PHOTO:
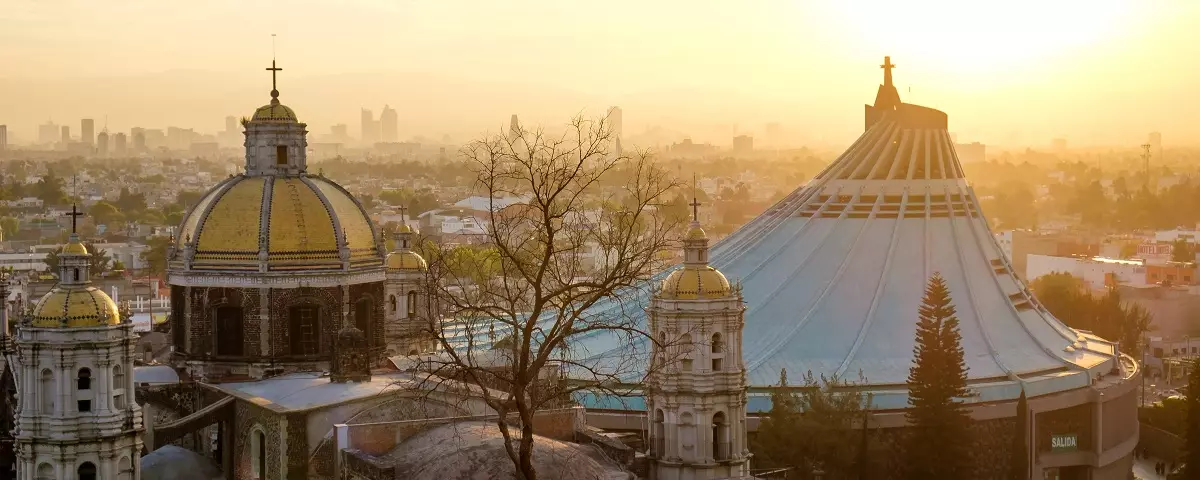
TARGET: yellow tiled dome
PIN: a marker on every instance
(300, 221)
(74, 248)
(695, 233)
(75, 306)
(274, 112)
(405, 260)
(695, 282)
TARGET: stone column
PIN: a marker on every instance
(186, 322)
(264, 323)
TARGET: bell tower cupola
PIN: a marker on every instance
(276, 142)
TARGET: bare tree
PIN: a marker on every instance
(585, 234)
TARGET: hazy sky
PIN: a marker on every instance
(1014, 72)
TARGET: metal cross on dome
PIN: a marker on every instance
(887, 70)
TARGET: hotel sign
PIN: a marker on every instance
(1064, 443)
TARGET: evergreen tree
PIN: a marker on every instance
(1191, 433)
(1020, 449)
(775, 443)
(939, 438)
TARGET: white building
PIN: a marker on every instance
(1095, 271)
(404, 312)
(697, 403)
(77, 418)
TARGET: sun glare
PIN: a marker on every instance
(976, 36)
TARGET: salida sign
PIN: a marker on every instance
(1064, 443)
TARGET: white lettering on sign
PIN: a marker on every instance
(1063, 442)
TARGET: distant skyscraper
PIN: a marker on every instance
(1155, 141)
(231, 123)
(514, 127)
(3, 137)
(119, 144)
(615, 119)
(102, 145)
(743, 144)
(87, 131)
(387, 125)
(47, 133)
(370, 128)
(66, 135)
(139, 139)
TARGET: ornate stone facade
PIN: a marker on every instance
(697, 384)
(76, 417)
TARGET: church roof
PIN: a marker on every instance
(75, 306)
(274, 112)
(833, 274)
(311, 390)
(298, 222)
(476, 450)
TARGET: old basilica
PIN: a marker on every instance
(289, 317)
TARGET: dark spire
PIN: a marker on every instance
(695, 202)
(274, 89)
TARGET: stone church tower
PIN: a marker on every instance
(697, 384)
(76, 417)
(405, 308)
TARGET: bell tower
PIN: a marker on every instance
(697, 381)
(72, 357)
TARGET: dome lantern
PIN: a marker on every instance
(276, 143)
(696, 280)
(74, 302)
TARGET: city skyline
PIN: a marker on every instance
(1092, 75)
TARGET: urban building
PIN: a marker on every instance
(698, 399)
(102, 144)
(74, 359)
(48, 133)
(87, 131)
(3, 137)
(743, 144)
(389, 130)
(973, 152)
(66, 136)
(616, 120)
(832, 277)
(119, 145)
(370, 128)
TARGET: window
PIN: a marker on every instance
(392, 301)
(720, 431)
(84, 382)
(46, 392)
(258, 454)
(125, 469)
(412, 304)
(76, 273)
(87, 471)
(118, 387)
(303, 330)
(230, 336)
(717, 347)
(45, 471)
(281, 153)
(84, 405)
(118, 377)
(716, 364)
(660, 433)
(686, 365)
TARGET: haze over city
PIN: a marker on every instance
(634, 240)
(1018, 73)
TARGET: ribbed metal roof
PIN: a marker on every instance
(833, 275)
